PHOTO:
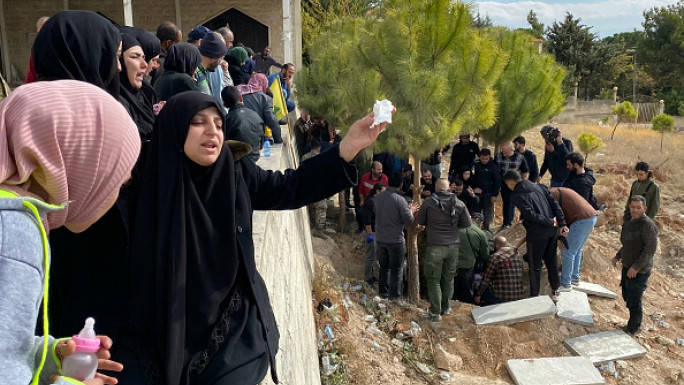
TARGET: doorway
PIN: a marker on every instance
(247, 30)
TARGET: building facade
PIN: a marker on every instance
(256, 23)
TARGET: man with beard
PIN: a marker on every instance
(213, 49)
(265, 61)
(580, 179)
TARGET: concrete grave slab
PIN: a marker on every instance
(607, 346)
(528, 309)
(574, 307)
(595, 289)
(555, 371)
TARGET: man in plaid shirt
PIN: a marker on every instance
(502, 281)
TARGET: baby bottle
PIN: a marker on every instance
(82, 364)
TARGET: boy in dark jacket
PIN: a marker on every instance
(486, 184)
(537, 211)
(242, 124)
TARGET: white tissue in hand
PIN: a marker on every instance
(383, 112)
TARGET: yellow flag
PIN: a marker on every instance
(279, 107)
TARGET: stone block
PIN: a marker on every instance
(574, 307)
(595, 289)
(516, 311)
(555, 371)
(604, 347)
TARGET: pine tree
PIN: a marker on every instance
(530, 88)
(662, 123)
(436, 69)
(572, 43)
(625, 112)
(537, 28)
(588, 144)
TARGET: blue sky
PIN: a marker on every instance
(607, 17)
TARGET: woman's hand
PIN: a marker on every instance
(360, 136)
(68, 347)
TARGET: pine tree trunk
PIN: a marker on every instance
(614, 128)
(343, 210)
(412, 239)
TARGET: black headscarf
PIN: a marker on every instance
(79, 45)
(184, 251)
(149, 43)
(136, 101)
(183, 58)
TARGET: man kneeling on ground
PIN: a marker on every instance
(502, 281)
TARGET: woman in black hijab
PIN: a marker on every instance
(151, 47)
(200, 312)
(181, 62)
(131, 78)
(79, 45)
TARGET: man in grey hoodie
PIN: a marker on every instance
(443, 215)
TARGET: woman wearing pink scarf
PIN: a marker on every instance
(66, 147)
(257, 97)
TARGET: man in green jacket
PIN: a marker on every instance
(639, 240)
(474, 245)
(647, 188)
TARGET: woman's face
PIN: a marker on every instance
(152, 64)
(642, 176)
(136, 67)
(205, 137)
(466, 175)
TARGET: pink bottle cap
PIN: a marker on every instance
(87, 345)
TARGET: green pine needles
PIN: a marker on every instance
(443, 76)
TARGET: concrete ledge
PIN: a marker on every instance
(284, 257)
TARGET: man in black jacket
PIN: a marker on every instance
(487, 184)
(463, 155)
(580, 179)
(557, 148)
(530, 157)
(537, 211)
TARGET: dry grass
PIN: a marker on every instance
(630, 145)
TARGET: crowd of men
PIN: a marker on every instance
(462, 259)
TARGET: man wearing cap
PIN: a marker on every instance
(197, 34)
(213, 49)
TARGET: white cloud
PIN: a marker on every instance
(605, 16)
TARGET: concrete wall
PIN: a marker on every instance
(284, 257)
